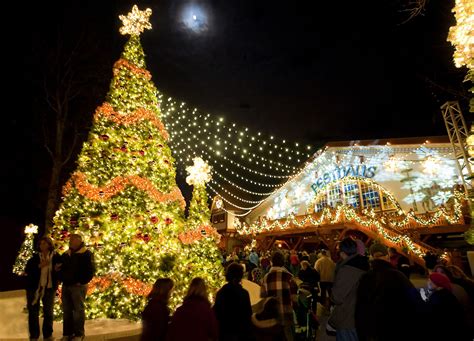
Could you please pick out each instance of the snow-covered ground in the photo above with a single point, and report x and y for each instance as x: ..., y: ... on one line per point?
x: 14, y: 322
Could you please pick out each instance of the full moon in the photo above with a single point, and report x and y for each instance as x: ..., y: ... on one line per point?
x: 195, y: 18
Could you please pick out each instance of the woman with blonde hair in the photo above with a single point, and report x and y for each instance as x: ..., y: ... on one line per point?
x: 194, y: 319
x: 41, y: 284
x: 156, y: 316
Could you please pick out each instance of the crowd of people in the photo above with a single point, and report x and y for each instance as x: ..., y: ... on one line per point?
x: 365, y: 294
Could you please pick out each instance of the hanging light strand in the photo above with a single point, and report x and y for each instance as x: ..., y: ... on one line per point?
x: 169, y: 110
x: 257, y: 159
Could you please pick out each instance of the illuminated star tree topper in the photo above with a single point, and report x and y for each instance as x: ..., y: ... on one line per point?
x: 199, y: 172
x: 136, y: 21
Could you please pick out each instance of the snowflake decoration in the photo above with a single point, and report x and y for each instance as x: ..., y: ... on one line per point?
x: 199, y: 172
x: 136, y: 21
x: 31, y: 229
x: 442, y: 197
x: 411, y: 198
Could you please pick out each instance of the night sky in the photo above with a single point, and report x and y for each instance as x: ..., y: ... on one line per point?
x: 308, y: 71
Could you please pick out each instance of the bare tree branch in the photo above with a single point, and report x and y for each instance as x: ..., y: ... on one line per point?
x: 414, y: 8
x: 73, y: 147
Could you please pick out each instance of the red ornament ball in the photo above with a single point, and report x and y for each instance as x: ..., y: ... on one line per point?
x: 141, y: 152
x: 114, y: 216
x: 154, y: 219
x: 168, y: 221
x: 124, y: 148
x: 104, y: 137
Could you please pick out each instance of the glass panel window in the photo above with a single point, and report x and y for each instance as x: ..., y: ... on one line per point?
x: 370, y: 197
x: 351, y: 194
x: 387, y: 204
x: 334, y: 195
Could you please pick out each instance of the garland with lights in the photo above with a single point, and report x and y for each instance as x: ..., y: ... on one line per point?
x: 26, y: 250
x: 199, y: 233
x: 124, y: 200
x: 140, y: 114
x: 368, y: 219
x: 124, y: 63
x: 117, y: 185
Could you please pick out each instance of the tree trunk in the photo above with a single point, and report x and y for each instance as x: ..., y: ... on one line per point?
x: 53, y: 194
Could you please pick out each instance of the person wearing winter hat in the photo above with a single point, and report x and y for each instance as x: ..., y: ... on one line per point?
x: 439, y: 280
x: 446, y: 314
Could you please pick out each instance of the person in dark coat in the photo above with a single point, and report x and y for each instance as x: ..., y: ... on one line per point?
x: 156, y: 315
x: 77, y: 269
x: 232, y: 307
x: 344, y: 292
x: 310, y: 278
x: 308, y: 275
x: 446, y: 316
x: 266, y: 326
x: 388, y: 306
x: 194, y: 320
x: 41, y: 284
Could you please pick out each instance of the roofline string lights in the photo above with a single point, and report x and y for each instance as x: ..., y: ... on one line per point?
x: 367, y: 219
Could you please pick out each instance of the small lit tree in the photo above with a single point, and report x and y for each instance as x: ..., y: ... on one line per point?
x: 26, y: 250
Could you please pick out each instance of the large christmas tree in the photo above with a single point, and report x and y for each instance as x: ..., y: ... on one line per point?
x: 124, y: 200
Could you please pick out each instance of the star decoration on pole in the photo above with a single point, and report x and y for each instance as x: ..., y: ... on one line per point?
x: 199, y: 172
x: 136, y: 21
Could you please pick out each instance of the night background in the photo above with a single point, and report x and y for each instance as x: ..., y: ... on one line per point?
x: 308, y: 72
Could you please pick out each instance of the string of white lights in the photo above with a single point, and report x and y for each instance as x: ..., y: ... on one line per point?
x: 241, y: 188
x: 217, y: 163
x: 250, y: 170
x: 235, y: 196
x: 169, y: 110
x: 224, y: 142
x: 220, y: 194
x: 233, y: 204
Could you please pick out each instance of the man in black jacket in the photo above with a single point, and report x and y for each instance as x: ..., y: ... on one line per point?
x: 77, y: 270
